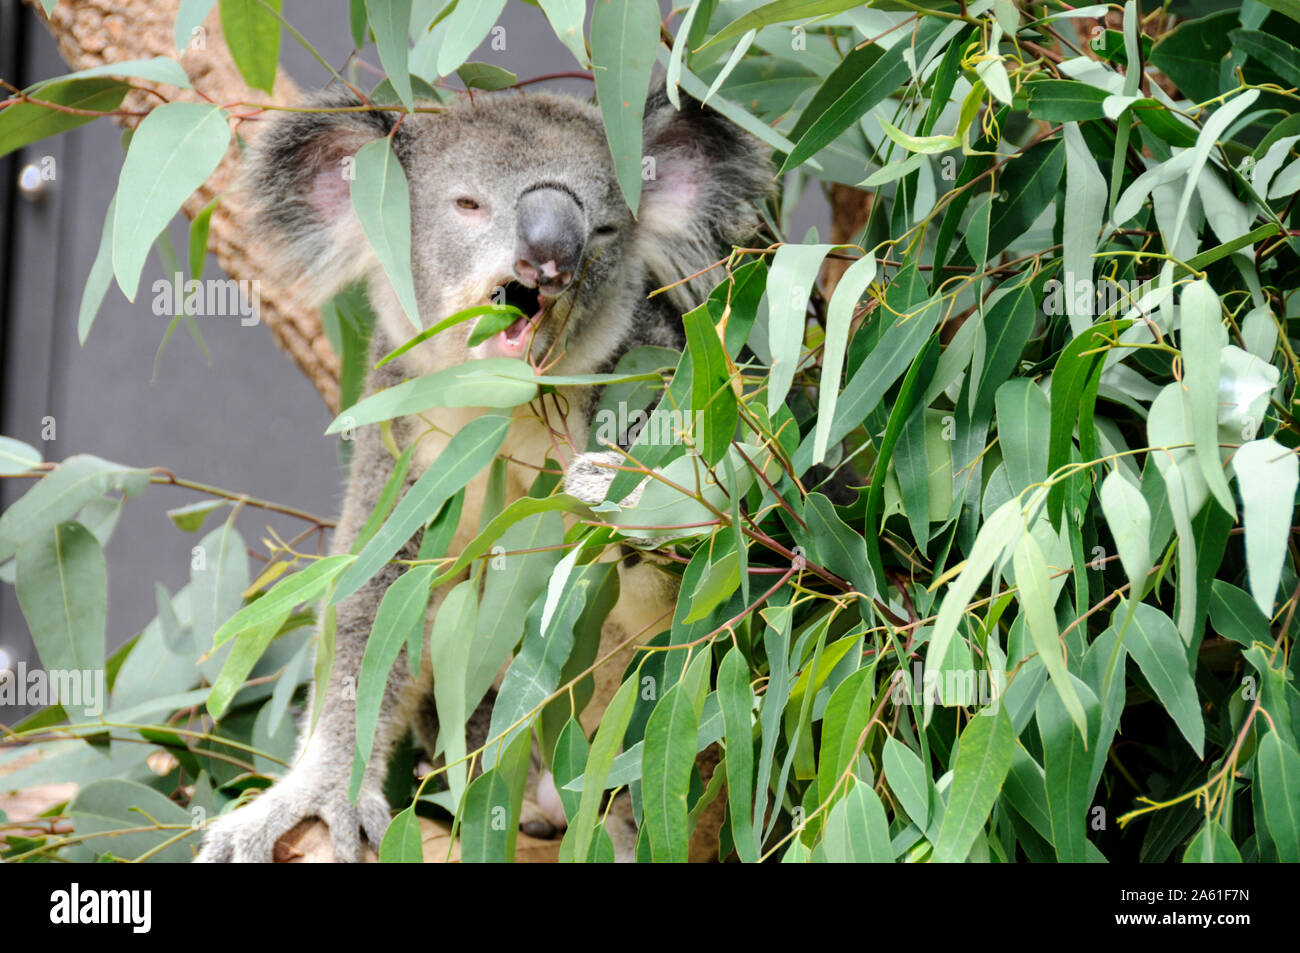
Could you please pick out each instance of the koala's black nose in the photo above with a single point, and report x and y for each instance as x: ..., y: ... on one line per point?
x: 551, y: 232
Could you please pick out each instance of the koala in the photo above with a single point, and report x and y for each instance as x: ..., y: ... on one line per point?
x: 508, y: 192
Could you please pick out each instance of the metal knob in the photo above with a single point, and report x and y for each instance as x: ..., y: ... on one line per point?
x: 32, y: 185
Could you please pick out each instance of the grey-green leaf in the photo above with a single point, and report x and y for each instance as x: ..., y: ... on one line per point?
x: 1267, y: 474
x: 624, y: 37
x: 984, y: 755
x: 62, y: 582
x: 381, y: 199
x: 172, y: 153
x: 1156, y: 646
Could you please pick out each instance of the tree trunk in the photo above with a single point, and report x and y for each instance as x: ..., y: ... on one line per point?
x: 94, y: 32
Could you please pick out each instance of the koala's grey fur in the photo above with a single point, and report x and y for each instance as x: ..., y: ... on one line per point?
x: 491, y: 152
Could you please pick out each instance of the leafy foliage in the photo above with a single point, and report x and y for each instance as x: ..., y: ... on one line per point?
x: 1053, y: 620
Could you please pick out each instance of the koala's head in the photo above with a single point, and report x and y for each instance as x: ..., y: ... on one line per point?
x: 514, y: 199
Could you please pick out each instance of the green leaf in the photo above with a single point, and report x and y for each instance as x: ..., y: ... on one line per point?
x: 1129, y: 519
x: 1085, y: 208
x: 535, y: 672
x: 199, y: 238
x: 218, y: 578
x: 666, y: 764
x: 109, y: 813
x: 624, y: 37
x: 288, y: 592
x: 908, y: 779
x: 1072, y: 379
x: 839, y: 314
x: 485, y: 76
x: 998, y: 534
x: 1190, y: 55
x: 1289, y: 8
x: 779, y: 11
x: 402, y: 843
x: 1234, y: 615
x: 17, y: 457
x: 250, y: 645
x: 466, y: 27
x: 1024, y: 415
x: 856, y: 829
x: 1067, y: 761
x: 382, y: 202
x: 1155, y: 645
x: 190, y: 517
x: 1202, y: 340
x: 1267, y: 475
x: 496, y: 382
x: 1211, y: 845
x: 736, y: 699
x: 1271, y: 52
x: 390, y: 21
x: 565, y: 17
x: 24, y: 123
x: 609, y: 738
x: 101, y: 274
x: 490, y: 818
x: 925, y: 145
x: 189, y: 17
x: 843, y: 721
x: 1035, y: 597
x: 1064, y: 100
x: 472, y: 448
x: 1165, y: 124
x: 568, y: 762
x: 172, y: 153
x: 790, y: 283
x: 401, y: 609
x: 1028, y: 185
x: 1278, y: 777
x: 836, y: 545
x: 514, y: 583
x: 712, y: 398
x: 984, y: 755
x: 899, y: 345
x: 252, y: 32
x: 159, y: 69
x: 828, y: 115
x: 60, y: 494
x: 62, y: 582
x: 719, y: 582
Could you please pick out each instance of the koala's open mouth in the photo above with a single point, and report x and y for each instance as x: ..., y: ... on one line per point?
x: 515, y: 340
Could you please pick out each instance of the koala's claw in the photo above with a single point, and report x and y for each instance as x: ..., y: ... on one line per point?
x: 248, y: 835
x: 589, y: 477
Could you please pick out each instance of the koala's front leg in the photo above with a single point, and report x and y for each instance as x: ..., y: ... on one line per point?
x: 317, y: 784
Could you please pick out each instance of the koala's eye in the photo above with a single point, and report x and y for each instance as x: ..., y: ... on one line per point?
x: 604, y: 231
x: 467, y: 203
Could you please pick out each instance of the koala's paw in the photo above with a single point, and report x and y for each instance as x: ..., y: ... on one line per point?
x: 588, y: 479
x: 543, y: 813
x: 590, y: 474
x: 248, y: 835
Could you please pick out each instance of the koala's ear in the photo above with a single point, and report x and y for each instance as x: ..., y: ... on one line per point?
x: 702, y: 178
x: 298, y: 173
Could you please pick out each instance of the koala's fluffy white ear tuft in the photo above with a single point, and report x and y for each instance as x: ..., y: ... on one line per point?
x: 702, y: 177
x: 299, y: 171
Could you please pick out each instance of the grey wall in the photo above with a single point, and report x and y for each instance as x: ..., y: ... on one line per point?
x: 247, y: 421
